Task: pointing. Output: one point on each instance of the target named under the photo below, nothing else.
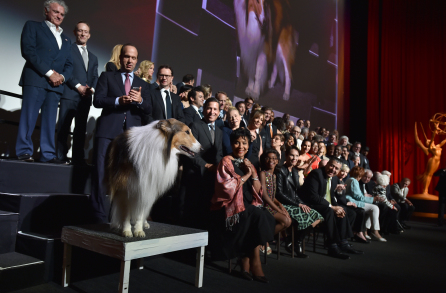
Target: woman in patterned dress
(304, 218)
(269, 161)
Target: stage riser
(8, 231)
(49, 250)
(46, 213)
(23, 177)
(19, 271)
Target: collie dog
(267, 43)
(142, 166)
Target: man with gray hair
(289, 125)
(343, 141)
(47, 51)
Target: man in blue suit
(124, 99)
(47, 52)
(77, 96)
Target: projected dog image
(142, 166)
(267, 44)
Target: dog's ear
(165, 126)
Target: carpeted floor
(411, 262)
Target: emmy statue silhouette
(437, 126)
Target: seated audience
(321, 151)
(280, 124)
(278, 143)
(332, 139)
(311, 135)
(255, 123)
(345, 156)
(295, 131)
(288, 182)
(399, 193)
(306, 161)
(289, 126)
(304, 132)
(356, 195)
(242, 108)
(239, 227)
(233, 123)
(269, 160)
(358, 222)
(318, 193)
(290, 139)
(365, 152)
(330, 150)
(356, 161)
(343, 141)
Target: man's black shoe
(407, 227)
(25, 158)
(336, 252)
(56, 161)
(349, 249)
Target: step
(8, 231)
(47, 248)
(46, 213)
(23, 177)
(18, 271)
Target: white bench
(160, 238)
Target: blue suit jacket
(80, 74)
(109, 87)
(41, 52)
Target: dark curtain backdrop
(406, 82)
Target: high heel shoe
(381, 239)
(360, 240)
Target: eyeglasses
(164, 76)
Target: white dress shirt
(57, 34)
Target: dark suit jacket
(314, 188)
(211, 153)
(266, 136)
(361, 159)
(190, 115)
(109, 87)
(80, 74)
(158, 109)
(111, 67)
(153, 86)
(441, 185)
(179, 86)
(41, 52)
(287, 186)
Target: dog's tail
(118, 166)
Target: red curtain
(406, 82)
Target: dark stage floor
(411, 262)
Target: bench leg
(199, 267)
(66, 265)
(125, 276)
(140, 263)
